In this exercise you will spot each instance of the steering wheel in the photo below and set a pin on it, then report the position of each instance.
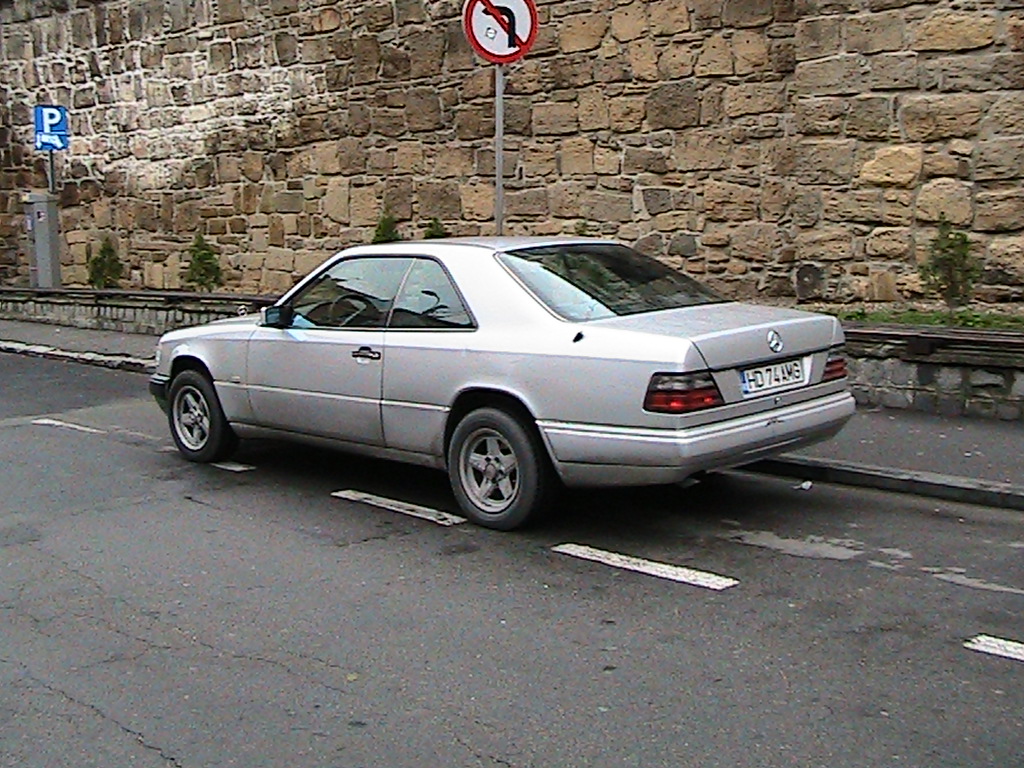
(337, 309)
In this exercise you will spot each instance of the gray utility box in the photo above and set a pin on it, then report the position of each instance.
(43, 222)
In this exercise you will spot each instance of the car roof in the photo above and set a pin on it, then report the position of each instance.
(493, 243)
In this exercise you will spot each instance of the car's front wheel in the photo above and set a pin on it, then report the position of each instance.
(197, 422)
(498, 469)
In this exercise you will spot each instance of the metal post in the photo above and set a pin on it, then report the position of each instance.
(499, 148)
(53, 175)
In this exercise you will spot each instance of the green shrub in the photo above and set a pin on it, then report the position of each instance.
(435, 229)
(951, 269)
(387, 230)
(204, 267)
(105, 268)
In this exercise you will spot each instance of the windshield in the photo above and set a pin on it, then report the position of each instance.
(582, 281)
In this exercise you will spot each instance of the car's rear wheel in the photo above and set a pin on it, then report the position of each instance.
(498, 469)
(197, 422)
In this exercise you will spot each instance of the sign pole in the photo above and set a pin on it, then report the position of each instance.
(501, 31)
(53, 175)
(499, 148)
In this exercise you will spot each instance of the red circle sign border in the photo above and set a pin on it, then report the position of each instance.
(467, 14)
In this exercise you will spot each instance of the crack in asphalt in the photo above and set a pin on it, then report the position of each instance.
(139, 736)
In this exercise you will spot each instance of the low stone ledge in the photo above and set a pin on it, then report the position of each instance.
(152, 312)
(951, 371)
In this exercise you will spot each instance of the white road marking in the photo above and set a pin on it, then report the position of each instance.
(996, 646)
(233, 466)
(649, 567)
(67, 425)
(413, 510)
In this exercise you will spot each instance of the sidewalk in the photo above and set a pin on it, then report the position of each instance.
(973, 460)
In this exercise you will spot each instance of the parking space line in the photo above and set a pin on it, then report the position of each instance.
(233, 466)
(996, 646)
(650, 567)
(412, 510)
(67, 425)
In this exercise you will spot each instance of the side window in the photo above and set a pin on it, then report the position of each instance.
(354, 293)
(429, 300)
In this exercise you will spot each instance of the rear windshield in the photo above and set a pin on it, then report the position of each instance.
(581, 281)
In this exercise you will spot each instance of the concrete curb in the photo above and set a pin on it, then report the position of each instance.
(931, 484)
(118, 362)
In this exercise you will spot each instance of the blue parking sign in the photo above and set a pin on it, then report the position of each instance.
(52, 130)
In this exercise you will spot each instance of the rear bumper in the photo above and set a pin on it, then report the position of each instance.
(598, 455)
(158, 389)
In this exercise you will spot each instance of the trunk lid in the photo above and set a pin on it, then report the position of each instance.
(731, 334)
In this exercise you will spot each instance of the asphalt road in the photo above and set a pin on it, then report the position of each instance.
(158, 613)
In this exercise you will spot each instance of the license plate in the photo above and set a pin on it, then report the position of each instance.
(771, 378)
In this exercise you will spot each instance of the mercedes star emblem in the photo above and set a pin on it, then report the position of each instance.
(775, 341)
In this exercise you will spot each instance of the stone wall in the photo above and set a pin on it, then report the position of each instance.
(802, 149)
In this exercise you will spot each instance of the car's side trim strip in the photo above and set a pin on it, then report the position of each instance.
(309, 393)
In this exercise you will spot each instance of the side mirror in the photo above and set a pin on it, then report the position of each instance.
(277, 317)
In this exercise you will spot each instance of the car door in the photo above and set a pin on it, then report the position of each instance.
(322, 374)
(426, 343)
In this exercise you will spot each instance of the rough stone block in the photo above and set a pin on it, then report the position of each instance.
(825, 161)
(668, 17)
(626, 113)
(576, 156)
(898, 166)
(999, 159)
(677, 60)
(629, 22)
(442, 200)
(843, 74)
(1006, 116)
(945, 197)
(608, 206)
(715, 57)
(819, 37)
(675, 105)
(954, 31)
(896, 243)
(1001, 211)
(934, 117)
(748, 13)
(751, 52)
(582, 32)
(828, 242)
(555, 118)
(730, 202)
(754, 99)
(893, 71)
(876, 32)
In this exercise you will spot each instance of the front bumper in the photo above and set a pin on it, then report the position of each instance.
(158, 385)
(595, 455)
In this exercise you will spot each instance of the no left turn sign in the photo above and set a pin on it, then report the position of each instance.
(501, 31)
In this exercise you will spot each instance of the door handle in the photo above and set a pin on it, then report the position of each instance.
(365, 353)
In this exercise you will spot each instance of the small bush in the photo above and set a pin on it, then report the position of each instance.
(204, 267)
(951, 269)
(105, 268)
(387, 230)
(435, 229)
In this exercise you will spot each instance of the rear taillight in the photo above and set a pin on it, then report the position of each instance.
(681, 393)
(835, 366)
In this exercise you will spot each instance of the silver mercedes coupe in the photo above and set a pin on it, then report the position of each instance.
(514, 364)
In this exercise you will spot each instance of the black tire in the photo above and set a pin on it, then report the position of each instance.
(197, 422)
(498, 469)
